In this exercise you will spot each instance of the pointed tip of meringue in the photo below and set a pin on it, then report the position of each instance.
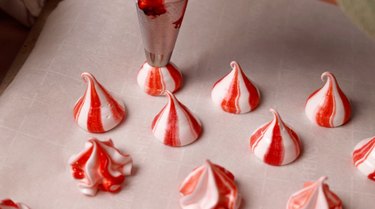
(322, 179)
(235, 66)
(327, 74)
(86, 76)
(208, 162)
(275, 113)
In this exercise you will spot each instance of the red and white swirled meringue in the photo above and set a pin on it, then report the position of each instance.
(97, 111)
(155, 80)
(101, 166)
(315, 195)
(175, 125)
(364, 157)
(275, 143)
(209, 186)
(9, 204)
(235, 93)
(328, 106)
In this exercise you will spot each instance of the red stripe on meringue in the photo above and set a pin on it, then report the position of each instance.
(157, 117)
(154, 81)
(191, 183)
(118, 112)
(295, 139)
(195, 127)
(94, 120)
(275, 153)
(258, 135)
(372, 176)
(8, 202)
(254, 96)
(361, 154)
(176, 76)
(326, 111)
(78, 107)
(229, 103)
(346, 103)
(171, 137)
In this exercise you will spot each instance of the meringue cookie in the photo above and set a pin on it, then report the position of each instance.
(328, 106)
(100, 167)
(155, 80)
(235, 93)
(9, 204)
(175, 125)
(97, 111)
(209, 186)
(275, 143)
(315, 195)
(364, 157)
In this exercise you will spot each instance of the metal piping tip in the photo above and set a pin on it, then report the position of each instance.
(159, 23)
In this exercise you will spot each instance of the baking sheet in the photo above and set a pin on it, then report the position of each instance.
(283, 46)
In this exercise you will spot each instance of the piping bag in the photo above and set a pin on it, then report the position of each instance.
(159, 21)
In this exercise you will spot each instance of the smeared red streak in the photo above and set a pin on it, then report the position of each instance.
(178, 23)
(229, 103)
(108, 180)
(275, 153)
(152, 7)
(192, 182)
(154, 80)
(361, 154)
(195, 127)
(176, 76)
(327, 109)
(172, 131)
(78, 166)
(258, 135)
(8, 202)
(346, 103)
(117, 111)
(94, 121)
(254, 96)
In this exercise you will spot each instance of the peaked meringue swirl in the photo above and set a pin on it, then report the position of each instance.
(235, 93)
(328, 106)
(175, 125)
(275, 143)
(97, 111)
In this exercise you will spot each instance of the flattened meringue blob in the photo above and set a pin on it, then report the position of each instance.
(315, 195)
(100, 166)
(209, 186)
